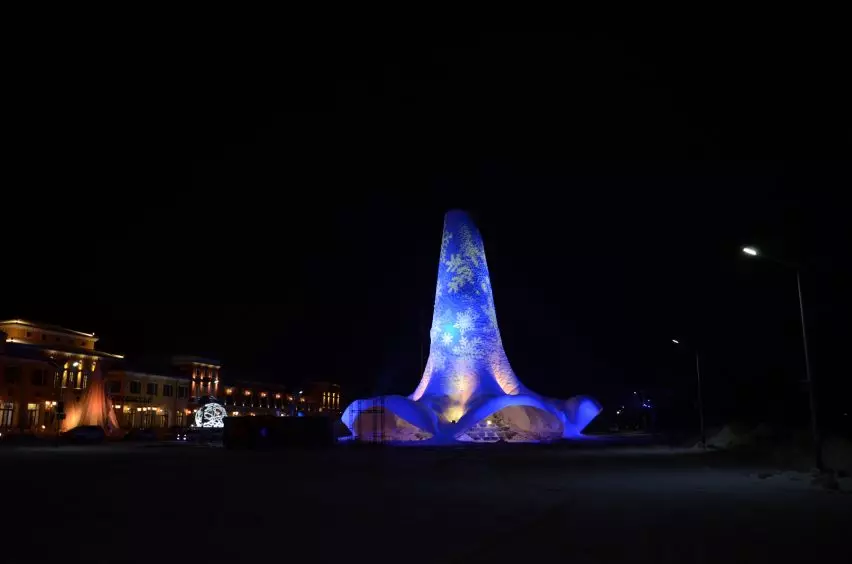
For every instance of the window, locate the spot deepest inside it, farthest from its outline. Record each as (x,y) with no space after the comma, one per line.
(7,409)
(29,334)
(168,390)
(179,418)
(39,377)
(135,387)
(151,389)
(13,374)
(32,414)
(182,391)
(114,386)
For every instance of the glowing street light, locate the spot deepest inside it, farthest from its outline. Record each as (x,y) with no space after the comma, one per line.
(808,378)
(700,401)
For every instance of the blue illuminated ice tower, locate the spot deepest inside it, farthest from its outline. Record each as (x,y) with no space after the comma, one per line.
(468,391)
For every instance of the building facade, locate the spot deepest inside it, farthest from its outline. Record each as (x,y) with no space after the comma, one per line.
(243,397)
(322,398)
(145,400)
(45,367)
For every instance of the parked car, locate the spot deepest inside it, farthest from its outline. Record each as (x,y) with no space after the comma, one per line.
(88,434)
(140,435)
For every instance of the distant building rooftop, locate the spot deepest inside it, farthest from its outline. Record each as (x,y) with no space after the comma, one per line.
(28,349)
(46,327)
(183,360)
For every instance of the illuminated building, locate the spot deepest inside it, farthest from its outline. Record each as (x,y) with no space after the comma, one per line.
(45,366)
(150,397)
(245,397)
(40,366)
(203,373)
(468,391)
(321,397)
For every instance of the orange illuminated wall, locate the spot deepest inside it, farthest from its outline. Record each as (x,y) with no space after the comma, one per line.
(22,331)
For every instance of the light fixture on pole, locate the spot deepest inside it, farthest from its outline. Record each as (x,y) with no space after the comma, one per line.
(700,400)
(751,251)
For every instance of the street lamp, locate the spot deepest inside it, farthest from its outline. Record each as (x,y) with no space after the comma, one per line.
(700,401)
(751,251)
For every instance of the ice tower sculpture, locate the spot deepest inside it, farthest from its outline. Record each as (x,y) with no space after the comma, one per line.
(468,391)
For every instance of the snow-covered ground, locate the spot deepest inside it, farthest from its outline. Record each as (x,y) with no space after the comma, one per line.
(487,504)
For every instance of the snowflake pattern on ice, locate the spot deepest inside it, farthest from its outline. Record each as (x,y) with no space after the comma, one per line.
(469,248)
(491,314)
(469,349)
(462,271)
(446,236)
(439,320)
(438,360)
(465,320)
(467,367)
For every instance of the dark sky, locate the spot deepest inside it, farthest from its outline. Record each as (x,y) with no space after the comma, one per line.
(614,178)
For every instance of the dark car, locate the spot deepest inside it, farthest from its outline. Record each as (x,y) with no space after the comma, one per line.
(84,434)
(140,435)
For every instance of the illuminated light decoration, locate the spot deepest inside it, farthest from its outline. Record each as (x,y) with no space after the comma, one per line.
(468,390)
(94,407)
(211,416)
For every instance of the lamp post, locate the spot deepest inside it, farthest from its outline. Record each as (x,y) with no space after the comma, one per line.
(753,252)
(700,400)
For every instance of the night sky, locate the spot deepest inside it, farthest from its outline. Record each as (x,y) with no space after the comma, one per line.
(614,179)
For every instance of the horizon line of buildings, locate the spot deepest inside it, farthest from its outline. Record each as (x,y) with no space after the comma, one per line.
(44,366)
